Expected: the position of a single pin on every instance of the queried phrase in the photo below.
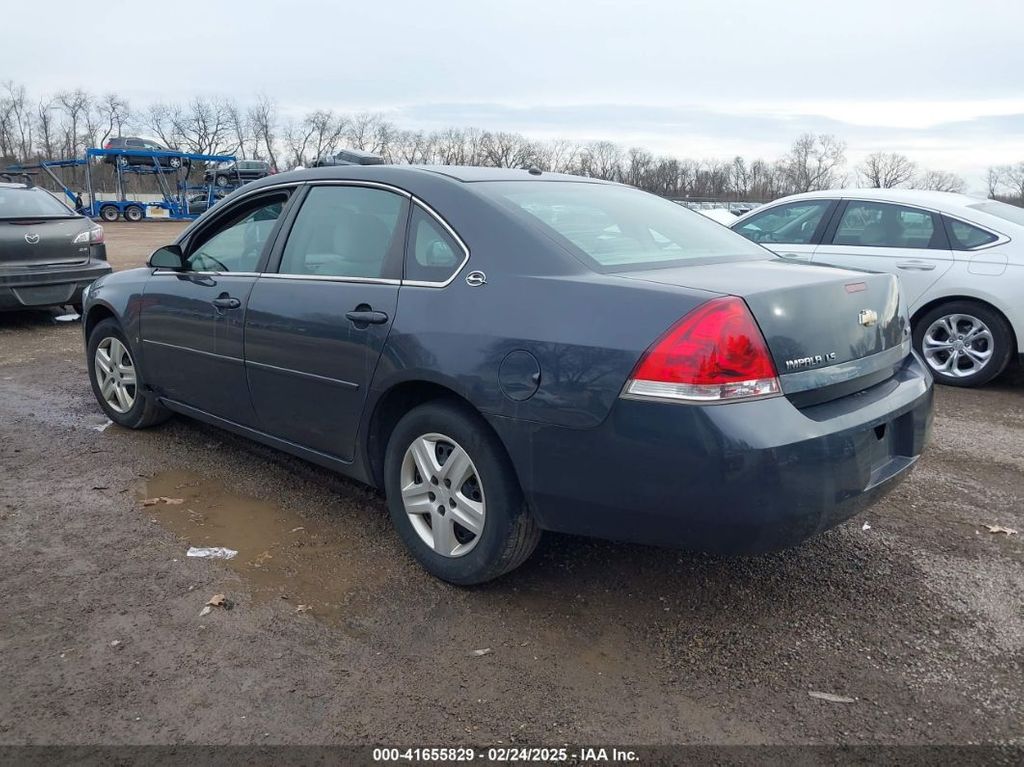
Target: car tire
(143, 409)
(488, 497)
(964, 343)
(174, 162)
(221, 181)
(133, 213)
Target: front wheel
(454, 497)
(964, 343)
(116, 380)
(133, 213)
(221, 181)
(109, 213)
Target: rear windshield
(616, 228)
(1010, 213)
(31, 203)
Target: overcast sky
(941, 80)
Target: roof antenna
(533, 170)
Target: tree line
(62, 126)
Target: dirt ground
(914, 609)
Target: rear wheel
(453, 495)
(175, 162)
(116, 380)
(133, 213)
(109, 213)
(964, 343)
(221, 181)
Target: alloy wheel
(443, 495)
(957, 345)
(115, 374)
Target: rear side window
(793, 223)
(346, 231)
(432, 253)
(615, 228)
(963, 236)
(882, 225)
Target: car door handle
(918, 266)
(366, 317)
(226, 302)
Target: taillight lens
(93, 236)
(714, 353)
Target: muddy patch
(307, 564)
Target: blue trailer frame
(175, 199)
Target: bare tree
(1013, 177)
(816, 162)
(15, 122)
(263, 126)
(994, 179)
(939, 181)
(885, 170)
(74, 106)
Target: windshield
(616, 228)
(1010, 213)
(19, 202)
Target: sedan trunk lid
(830, 331)
(42, 241)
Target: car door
(192, 321)
(790, 229)
(318, 319)
(884, 237)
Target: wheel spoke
(116, 351)
(107, 388)
(458, 468)
(444, 535)
(426, 460)
(468, 513)
(122, 397)
(416, 500)
(128, 379)
(103, 361)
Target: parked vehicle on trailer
(960, 261)
(200, 203)
(142, 144)
(48, 253)
(238, 172)
(505, 352)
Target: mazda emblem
(31, 239)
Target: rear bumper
(737, 478)
(51, 285)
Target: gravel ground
(337, 637)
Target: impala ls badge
(476, 279)
(31, 239)
(809, 362)
(867, 317)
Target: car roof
(945, 201)
(395, 173)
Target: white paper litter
(104, 426)
(831, 697)
(865, 526)
(68, 317)
(210, 552)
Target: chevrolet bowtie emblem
(867, 317)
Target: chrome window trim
(331, 278)
(1002, 239)
(157, 271)
(805, 380)
(454, 235)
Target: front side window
(236, 244)
(883, 225)
(346, 231)
(433, 254)
(614, 228)
(793, 223)
(963, 236)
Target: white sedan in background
(960, 261)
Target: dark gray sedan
(505, 352)
(48, 253)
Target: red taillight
(716, 352)
(96, 234)
(109, 145)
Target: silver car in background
(960, 261)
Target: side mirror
(168, 257)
